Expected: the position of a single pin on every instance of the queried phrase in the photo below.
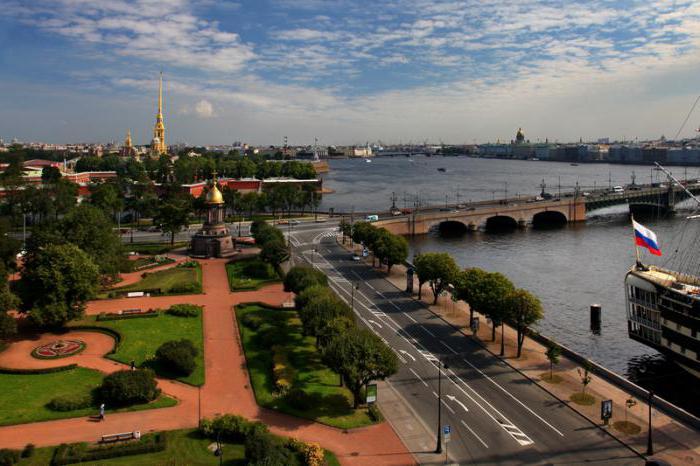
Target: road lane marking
(375, 323)
(474, 434)
(454, 398)
(428, 331)
(448, 347)
(418, 376)
(444, 404)
(406, 353)
(407, 315)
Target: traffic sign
(446, 430)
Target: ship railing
(655, 325)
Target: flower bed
(58, 349)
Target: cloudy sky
(348, 71)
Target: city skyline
(406, 71)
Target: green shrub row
(231, 427)
(45, 370)
(184, 310)
(81, 452)
(70, 402)
(8, 457)
(103, 316)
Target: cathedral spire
(160, 96)
(158, 146)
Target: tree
(56, 282)
(553, 352)
(359, 356)
(249, 202)
(127, 387)
(301, 277)
(306, 295)
(390, 248)
(8, 302)
(584, 375)
(172, 216)
(522, 309)
(274, 252)
(50, 175)
(263, 233)
(436, 268)
(64, 195)
(319, 311)
(485, 292)
(106, 197)
(9, 247)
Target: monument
(214, 239)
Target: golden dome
(214, 196)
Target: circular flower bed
(58, 349)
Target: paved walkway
(227, 388)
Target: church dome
(214, 196)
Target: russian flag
(646, 238)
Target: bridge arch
(501, 223)
(549, 219)
(452, 228)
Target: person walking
(102, 412)
(133, 365)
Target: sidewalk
(673, 441)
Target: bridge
(536, 211)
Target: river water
(568, 268)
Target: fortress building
(158, 146)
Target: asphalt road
(496, 415)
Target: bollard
(595, 318)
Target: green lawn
(239, 280)
(143, 336)
(24, 397)
(169, 281)
(185, 447)
(331, 405)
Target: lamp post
(438, 448)
(650, 445)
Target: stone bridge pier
(492, 217)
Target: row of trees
(490, 293)
(388, 248)
(358, 355)
(270, 240)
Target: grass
(238, 280)
(185, 447)
(24, 397)
(554, 378)
(332, 405)
(583, 399)
(141, 337)
(153, 248)
(168, 281)
(627, 427)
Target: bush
(186, 288)
(184, 310)
(231, 427)
(257, 269)
(80, 452)
(252, 321)
(177, 356)
(189, 264)
(301, 277)
(265, 449)
(374, 413)
(70, 403)
(303, 298)
(44, 370)
(28, 451)
(128, 387)
(8, 457)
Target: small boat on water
(574, 164)
(368, 161)
(441, 169)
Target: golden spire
(127, 141)
(160, 96)
(158, 146)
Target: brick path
(227, 388)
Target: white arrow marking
(406, 353)
(375, 323)
(452, 398)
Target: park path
(227, 388)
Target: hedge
(231, 427)
(81, 453)
(107, 331)
(184, 310)
(113, 316)
(45, 370)
(70, 402)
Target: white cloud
(204, 109)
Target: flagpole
(636, 248)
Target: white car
(355, 257)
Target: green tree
(359, 356)
(107, 198)
(390, 248)
(9, 247)
(553, 353)
(301, 277)
(64, 195)
(249, 202)
(274, 252)
(485, 292)
(50, 175)
(87, 164)
(438, 269)
(56, 283)
(8, 302)
(319, 311)
(523, 309)
(306, 295)
(172, 216)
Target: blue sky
(348, 71)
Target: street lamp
(438, 448)
(650, 445)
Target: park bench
(122, 437)
(126, 312)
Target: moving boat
(442, 169)
(663, 305)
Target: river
(568, 268)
